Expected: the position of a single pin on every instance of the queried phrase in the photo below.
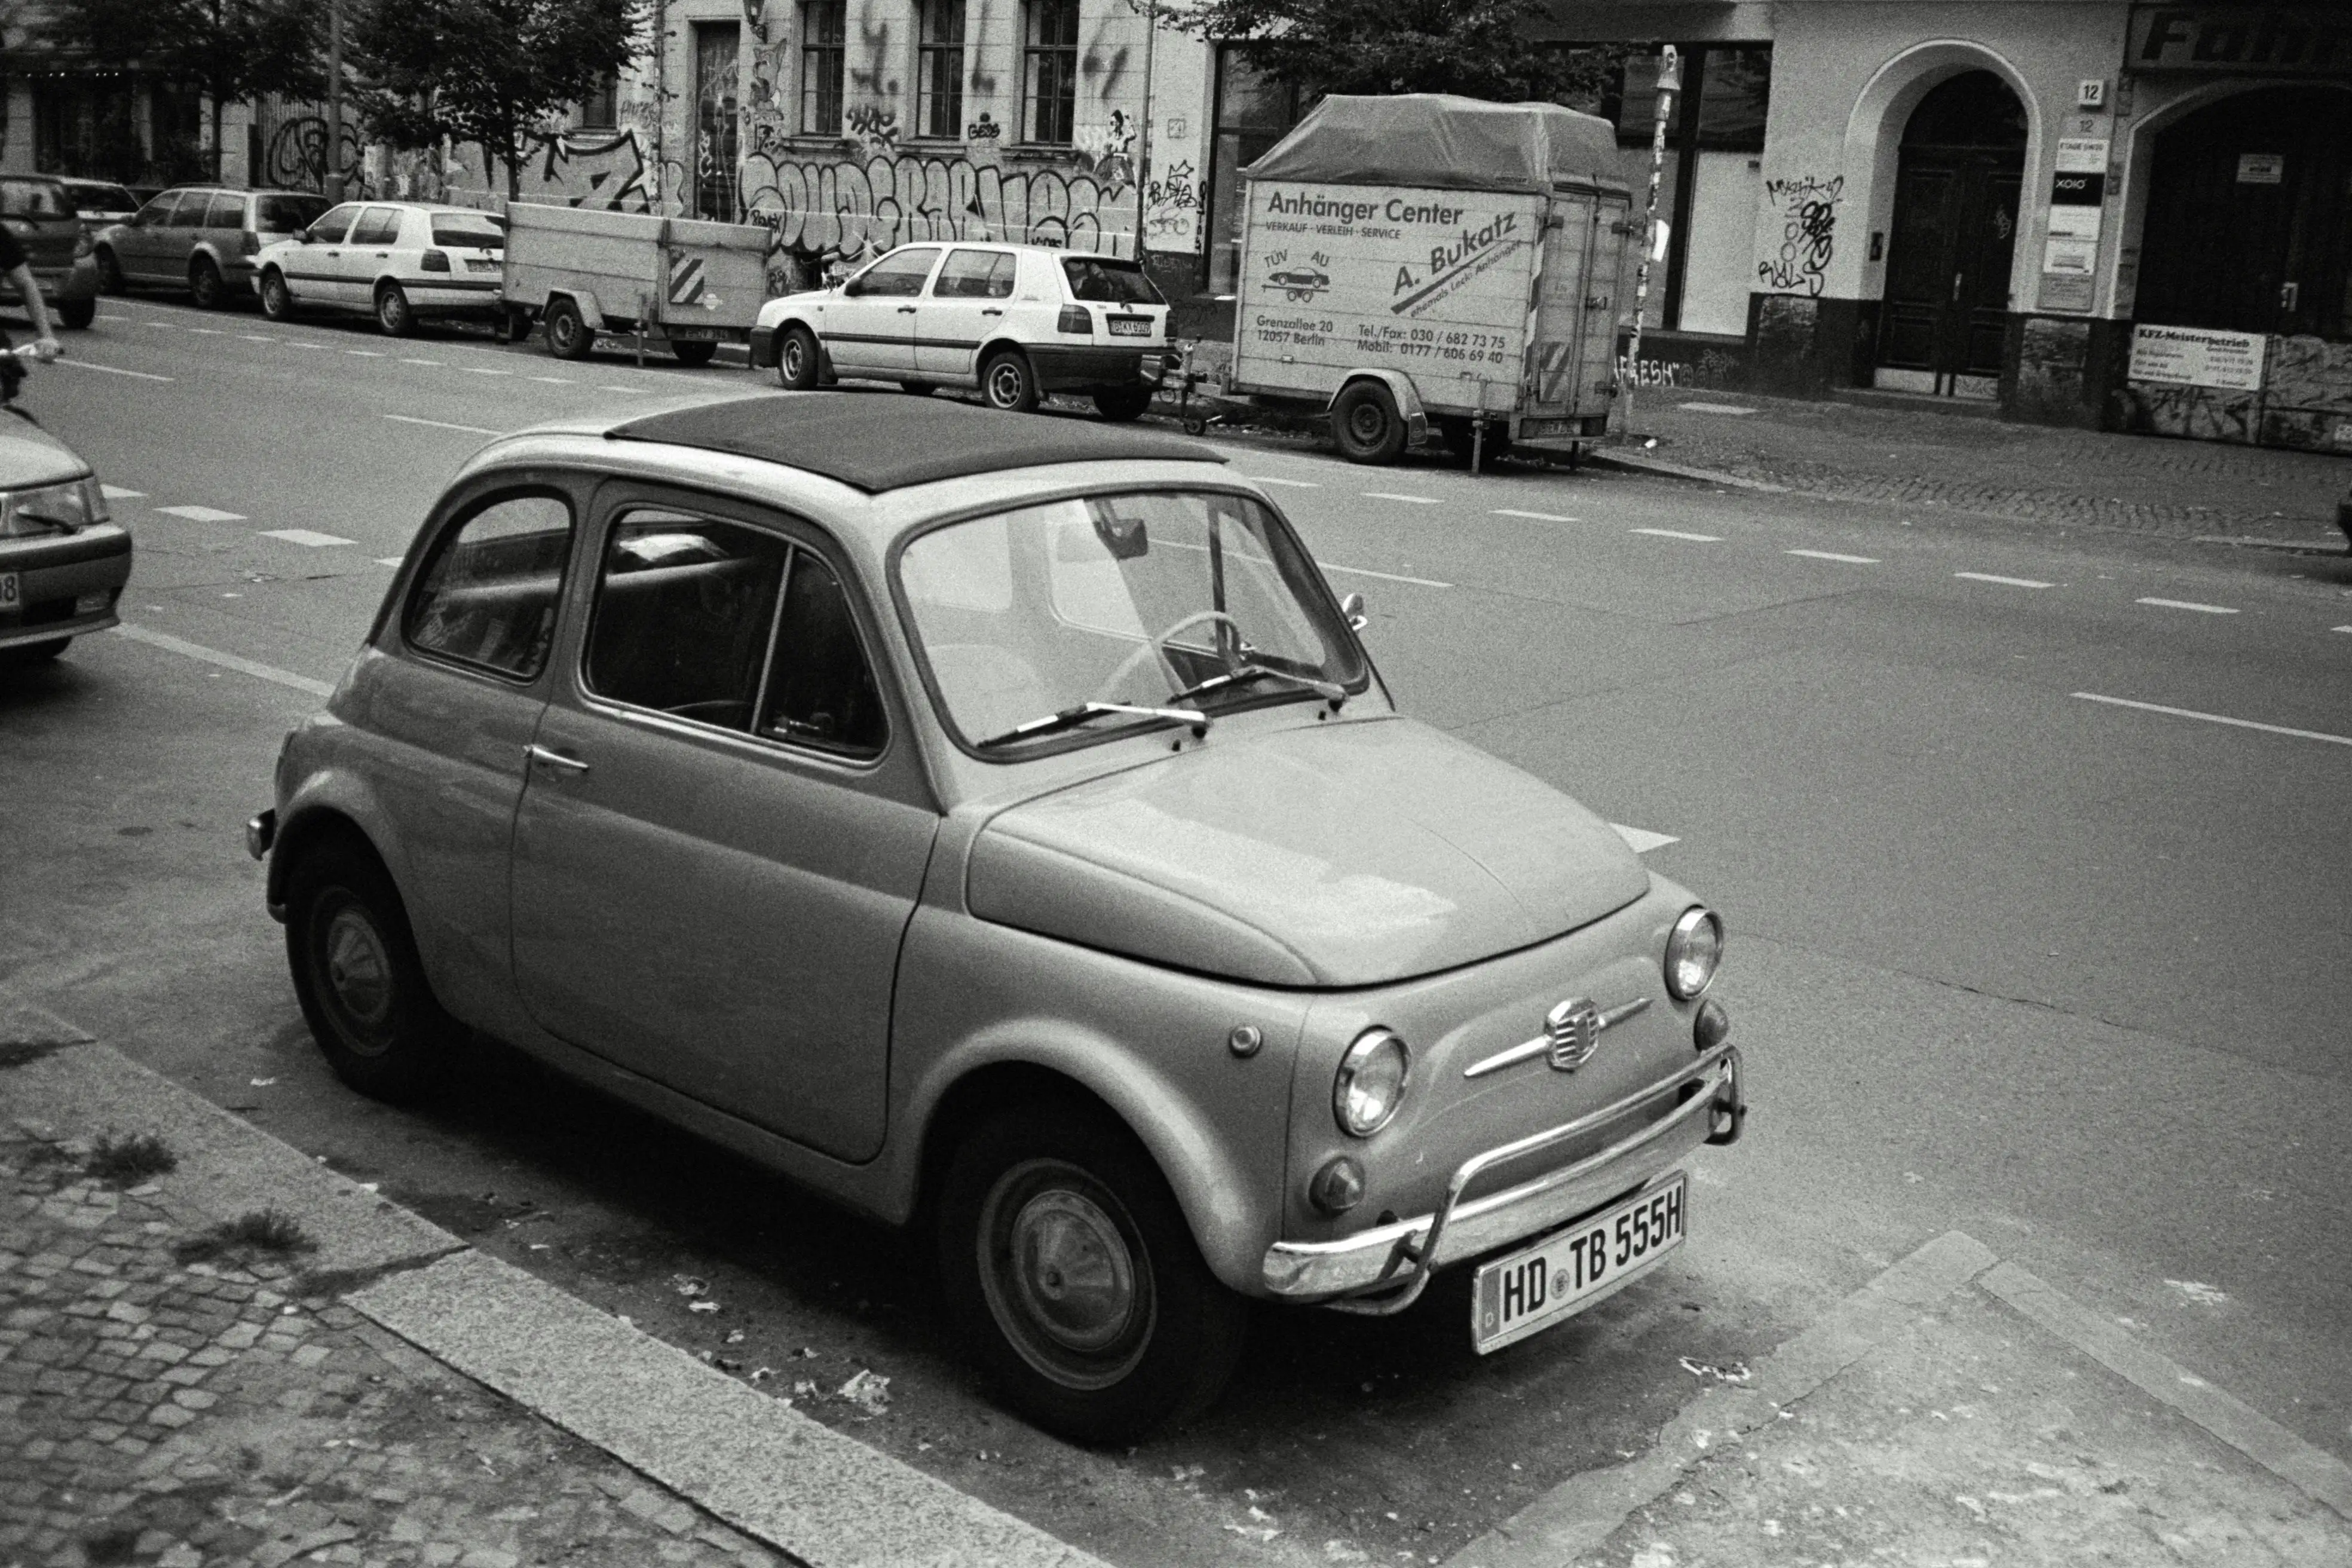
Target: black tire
(205, 287)
(1007, 383)
(916, 388)
(77, 314)
(687, 352)
(27, 654)
(568, 336)
(1123, 403)
(1366, 423)
(800, 364)
(395, 316)
(1156, 1339)
(357, 975)
(276, 300)
(110, 273)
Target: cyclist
(28, 288)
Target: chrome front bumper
(1393, 1262)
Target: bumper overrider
(1392, 1263)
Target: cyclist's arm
(28, 288)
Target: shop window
(1254, 111)
(823, 55)
(939, 68)
(1708, 188)
(1049, 72)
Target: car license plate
(1529, 429)
(1574, 1267)
(10, 596)
(693, 334)
(1130, 326)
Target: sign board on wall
(2197, 356)
(2060, 292)
(2223, 38)
(2070, 258)
(2075, 223)
(2082, 155)
(2262, 168)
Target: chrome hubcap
(1004, 387)
(1063, 1280)
(794, 360)
(358, 971)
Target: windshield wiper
(1070, 717)
(1330, 691)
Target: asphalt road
(2010, 954)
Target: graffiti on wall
(1808, 207)
(827, 210)
(1171, 207)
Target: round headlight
(1692, 953)
(1372, 1081)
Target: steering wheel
(1154, 647)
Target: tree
(487, 71)
(231, 49)
(1478, 48)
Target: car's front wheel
(1007, 382)
(798, 365)
(1074, 1281)
(110, 271)
(357, 974)
(276, 298)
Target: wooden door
(1948, 267)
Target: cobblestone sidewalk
(2080, 479)
(176, 1392)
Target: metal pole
(334, 171)
(1143, 164)
(1670, 84)
(661, 105)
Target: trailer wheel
(687, 352)
(568, 336)
(1366, 423)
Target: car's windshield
(1127, 599)
(1109, 282)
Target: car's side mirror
(852, 289)
(1352, 607)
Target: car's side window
(330, 228)
(190, 213)
(821, 689)
(975, 275)
(897, 276)
(489, 595)
(226, 211)
(377, 225)
(685, 607)
(157, 213)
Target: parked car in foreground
(202, 238)
(99, 204)
(397, 261)
(40, 213)
(999, 827)
(1016, 322)
(63, 564)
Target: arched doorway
(1955, 226)
(2248, 225)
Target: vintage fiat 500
(998, 826)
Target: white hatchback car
(1014, 320)
(397, 261)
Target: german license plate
(1529, 429)
(693, 334)
(1574, 1267)
(1130, 326)
(11, 596)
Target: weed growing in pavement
(128, 1160)
(256, 1230)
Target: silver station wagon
(998, 826)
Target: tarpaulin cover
(1436, 139)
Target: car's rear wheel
(689, 351)
(1366, 423)
(798, 365)
(110, 271)
(1074, 1281)
(204, 284)
(1006, 382)
(568, 336)
(77, 313)
(393, 314)
(1123, 403)
(276, 298)
(357, 975)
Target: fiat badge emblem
(1573, 1027)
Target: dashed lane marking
(1386, 576)
(2004, 582)
(1641, 840)
(627, 389)
(202, 513)
(268, 672)
(555, 380)
(1833, 556)
(1271, 479)
(257, 338)
(365, 354)
(1678, 533)
(116, 492)
(486, 370)
(1734, 409)
(2340, 628)
(104, 317)
(308, 537)
(2188, 605)
(1394, 495)
(442, 425)
(421, 362)
(1534, 516)
(110, 369)
(387, 560)
(2216, 719)
(208, 332)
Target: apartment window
(939, 68)
(1049, 72)
(601, 108)
(822, 57)
(1711, 180)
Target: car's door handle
(992, 311)
(906, 309)
(557, 759)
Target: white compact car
(397, 261)
(1015, 321)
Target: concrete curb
(819, 1496)
(1660, 467)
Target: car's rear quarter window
(487, 597)
(1105, 281)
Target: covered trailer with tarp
(1424, 262)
